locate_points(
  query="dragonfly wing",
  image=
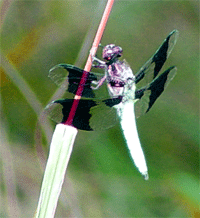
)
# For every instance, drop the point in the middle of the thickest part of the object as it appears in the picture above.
(148, 95)
(104, 115)
(72, 78)
(90, 114)
(54, 111)
(153, 66)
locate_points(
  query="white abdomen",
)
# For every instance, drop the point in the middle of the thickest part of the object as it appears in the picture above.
(128, 123)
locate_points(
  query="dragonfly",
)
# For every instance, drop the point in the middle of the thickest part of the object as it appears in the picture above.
(121, 100)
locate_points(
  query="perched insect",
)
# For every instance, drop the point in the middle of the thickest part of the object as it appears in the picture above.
(96, 112)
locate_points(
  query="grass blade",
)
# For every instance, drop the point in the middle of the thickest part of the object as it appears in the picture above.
(60, 152)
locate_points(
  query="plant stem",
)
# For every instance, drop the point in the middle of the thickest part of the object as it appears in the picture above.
(88, 65)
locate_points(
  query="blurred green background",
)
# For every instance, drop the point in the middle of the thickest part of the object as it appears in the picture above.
(101, 180)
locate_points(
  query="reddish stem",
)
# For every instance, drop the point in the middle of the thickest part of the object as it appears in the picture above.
(88, 65)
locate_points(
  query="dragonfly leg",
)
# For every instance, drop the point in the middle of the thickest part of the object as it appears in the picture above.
(98, 83)
(97, 63)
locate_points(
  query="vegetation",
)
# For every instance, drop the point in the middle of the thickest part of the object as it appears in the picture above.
(101, 180)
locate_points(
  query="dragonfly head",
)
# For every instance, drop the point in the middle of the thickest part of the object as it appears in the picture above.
(111, 51)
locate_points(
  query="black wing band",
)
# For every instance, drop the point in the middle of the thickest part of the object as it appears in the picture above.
(153, 66)
(149, 94)
(86, 109)
(73, 79)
